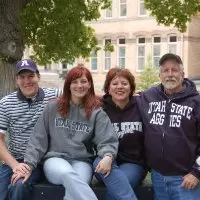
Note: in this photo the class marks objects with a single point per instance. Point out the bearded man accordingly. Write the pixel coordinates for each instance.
(171, 117)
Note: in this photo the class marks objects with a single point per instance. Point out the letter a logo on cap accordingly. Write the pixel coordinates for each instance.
(24, 63)
(27, 64)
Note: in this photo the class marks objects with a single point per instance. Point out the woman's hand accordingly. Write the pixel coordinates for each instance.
(104, 166)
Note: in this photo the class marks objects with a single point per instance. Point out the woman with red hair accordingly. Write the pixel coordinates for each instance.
(65, 136)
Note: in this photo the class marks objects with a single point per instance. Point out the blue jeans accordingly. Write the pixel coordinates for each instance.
(118, 183)
(135, 173)
(74, 175)
(17, 191)
(169, 188)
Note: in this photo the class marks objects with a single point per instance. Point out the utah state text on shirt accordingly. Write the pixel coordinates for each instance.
(158, 109)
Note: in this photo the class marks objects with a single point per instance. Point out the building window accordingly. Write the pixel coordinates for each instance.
(67, 66)
(108, 13)
(123, 8)
(172, 44)
(93, 61)
(140, 53)
(71, 65)
(107, 56)
(142, 10)
(156, 50)
(64, 66)
(47, 67)
(122, 52)
(107, 64)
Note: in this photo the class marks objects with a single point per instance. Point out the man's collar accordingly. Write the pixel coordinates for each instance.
(39, 97)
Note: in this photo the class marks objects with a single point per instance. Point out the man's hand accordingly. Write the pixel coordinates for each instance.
(22, 168)
(104, 166)
(189, 181)
(18, 175)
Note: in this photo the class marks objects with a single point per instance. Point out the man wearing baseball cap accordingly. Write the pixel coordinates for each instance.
(171, 117)
(26, 65)
(19, 111)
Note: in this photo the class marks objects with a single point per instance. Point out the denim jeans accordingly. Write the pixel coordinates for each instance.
(134, 172)
(169, 188)
(73, 175)
(118, 183)
(17, 191)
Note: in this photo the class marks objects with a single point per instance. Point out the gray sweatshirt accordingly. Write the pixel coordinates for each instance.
(73, 138)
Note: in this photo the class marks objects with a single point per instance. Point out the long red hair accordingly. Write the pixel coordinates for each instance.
(90, 101)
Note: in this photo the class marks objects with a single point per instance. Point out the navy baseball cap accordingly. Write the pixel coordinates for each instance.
(26, 64)
(172, 57)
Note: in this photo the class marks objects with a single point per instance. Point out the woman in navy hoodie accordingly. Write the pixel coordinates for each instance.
(121, 107)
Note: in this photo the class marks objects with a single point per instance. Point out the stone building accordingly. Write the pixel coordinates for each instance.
(136, 36)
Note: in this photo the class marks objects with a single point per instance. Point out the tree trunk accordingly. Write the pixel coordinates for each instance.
(7, 78)
(11, 42)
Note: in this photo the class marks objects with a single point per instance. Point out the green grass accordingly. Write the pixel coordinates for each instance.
(147, 180)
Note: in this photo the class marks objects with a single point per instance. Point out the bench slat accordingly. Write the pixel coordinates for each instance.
(54, 192)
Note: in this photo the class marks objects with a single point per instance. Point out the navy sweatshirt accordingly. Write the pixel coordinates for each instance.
(128, 126)
(172, 129)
